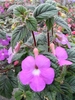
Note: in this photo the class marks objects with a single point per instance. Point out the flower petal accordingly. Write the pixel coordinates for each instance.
(61, 53)
(64, 62)
(37, 84)
(25, 76)
(48, 75)
(28, 63)
(42, 62)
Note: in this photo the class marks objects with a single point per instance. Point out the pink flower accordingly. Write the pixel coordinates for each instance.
(6, 41)
(62, 39)
(1, 9)
(3, 54)
(73, 32)
(62, 56)
(12, 53)
(69, 20)
(36, 72)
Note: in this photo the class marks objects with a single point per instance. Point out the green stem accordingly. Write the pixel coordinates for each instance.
(34, 38)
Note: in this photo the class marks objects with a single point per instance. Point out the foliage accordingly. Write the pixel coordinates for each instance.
(36, 25)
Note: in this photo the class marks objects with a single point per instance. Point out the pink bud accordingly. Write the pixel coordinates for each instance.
(52, 47)
(73, 32)
(17, 47)
(36, 52)
(16, 62)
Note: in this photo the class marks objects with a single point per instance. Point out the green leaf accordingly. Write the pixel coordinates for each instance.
(49, 23)
(13, 79)
(31, 23)
(19, 95)
(28, 95)
(66, 92)
(19, 34)
(71, 82)
(45, 11)
(2, 35)
(5, 86)
(61, 22)
(19, 10)
(52, 2)
(18, 56)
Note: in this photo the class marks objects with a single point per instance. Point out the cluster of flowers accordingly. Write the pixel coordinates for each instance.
(37, 72)
(8, 54)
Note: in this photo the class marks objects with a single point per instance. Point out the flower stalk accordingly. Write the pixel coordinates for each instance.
(34, 38)
(48, 41)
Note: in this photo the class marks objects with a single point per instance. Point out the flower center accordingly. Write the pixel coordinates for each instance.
(36, 71)
(2, 54)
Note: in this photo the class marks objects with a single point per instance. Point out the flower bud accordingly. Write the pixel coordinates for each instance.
(36, 52)
(16, 62)
(52, 47)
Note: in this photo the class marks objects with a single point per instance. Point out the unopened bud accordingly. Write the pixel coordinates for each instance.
(16, 62)
(52, 47)
(17, 47)
(36, 52)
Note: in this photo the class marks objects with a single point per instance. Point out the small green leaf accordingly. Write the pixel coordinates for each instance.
(49, 23)
(31, 23)
(19, 10)
(61, 22)
(28, 95)
(19, 34)
(19, 95)
(45, 11)
(2, 34)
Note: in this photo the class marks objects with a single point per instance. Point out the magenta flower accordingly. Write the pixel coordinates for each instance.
(1, 9)
(6, 41)
(62, 55)
(36, 72)
(3, 54)
(12, 53)
(62, 39)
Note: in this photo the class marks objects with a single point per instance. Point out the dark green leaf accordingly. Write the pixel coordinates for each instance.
(13, 79)
(2, 35)
(19, 95)
(5, 86)
(45, 11)
(49, 23)
(31, 23)
(71, 82)
(28, 95)
(19, 10)
(19, 34)
(18, 56)
(61, 22)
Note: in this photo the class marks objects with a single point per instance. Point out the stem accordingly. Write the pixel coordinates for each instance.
(52, 31)
(34, 38)
(48, 41)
